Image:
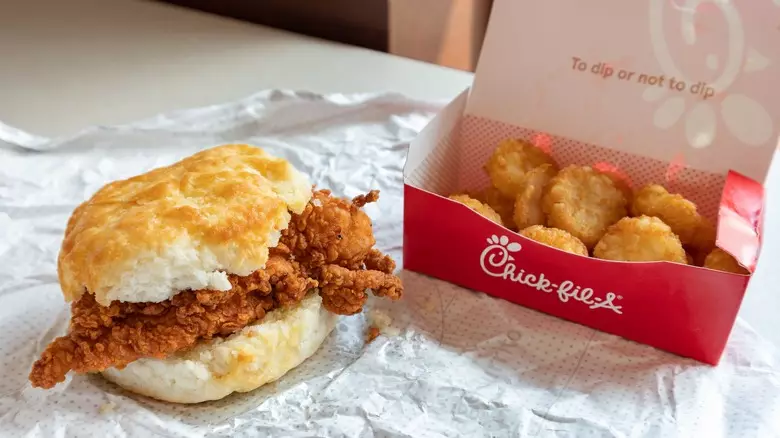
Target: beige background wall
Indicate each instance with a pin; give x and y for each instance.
(445, 32)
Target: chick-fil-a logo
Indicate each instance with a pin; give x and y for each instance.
(496, 261)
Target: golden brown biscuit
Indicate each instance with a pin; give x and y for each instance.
(584, 202)
(256, 355)
(640, 239)
(528, 203)
(510, 161)
(556, 238)
(477, 206)
(722, 261)
(185, 226)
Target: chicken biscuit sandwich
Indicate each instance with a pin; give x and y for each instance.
(214, 275)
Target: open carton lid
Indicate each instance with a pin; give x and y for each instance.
(697, 79)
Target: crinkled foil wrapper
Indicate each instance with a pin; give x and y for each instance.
(452, 363)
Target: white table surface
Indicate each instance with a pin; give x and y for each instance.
(68, 65)
(73, 64)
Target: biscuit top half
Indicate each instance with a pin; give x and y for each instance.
(184, 226)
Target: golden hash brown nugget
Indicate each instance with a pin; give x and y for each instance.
(556, 238)
(498, 202)
(677, 212)
(697, 258)
(584, 202)
(479, 196)
(722, 261)
(510, 161)
(703, 242)
(477, 206)
(624, 187)
(501, 204)
(640, 239)
(528, 203)
(704, 237)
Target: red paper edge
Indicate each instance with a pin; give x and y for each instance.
(740, 218)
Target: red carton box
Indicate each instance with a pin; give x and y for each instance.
(683, 94)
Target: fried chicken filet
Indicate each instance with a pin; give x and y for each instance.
(328, 248)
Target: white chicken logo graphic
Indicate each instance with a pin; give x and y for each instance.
(496, 261)
(745, 118)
